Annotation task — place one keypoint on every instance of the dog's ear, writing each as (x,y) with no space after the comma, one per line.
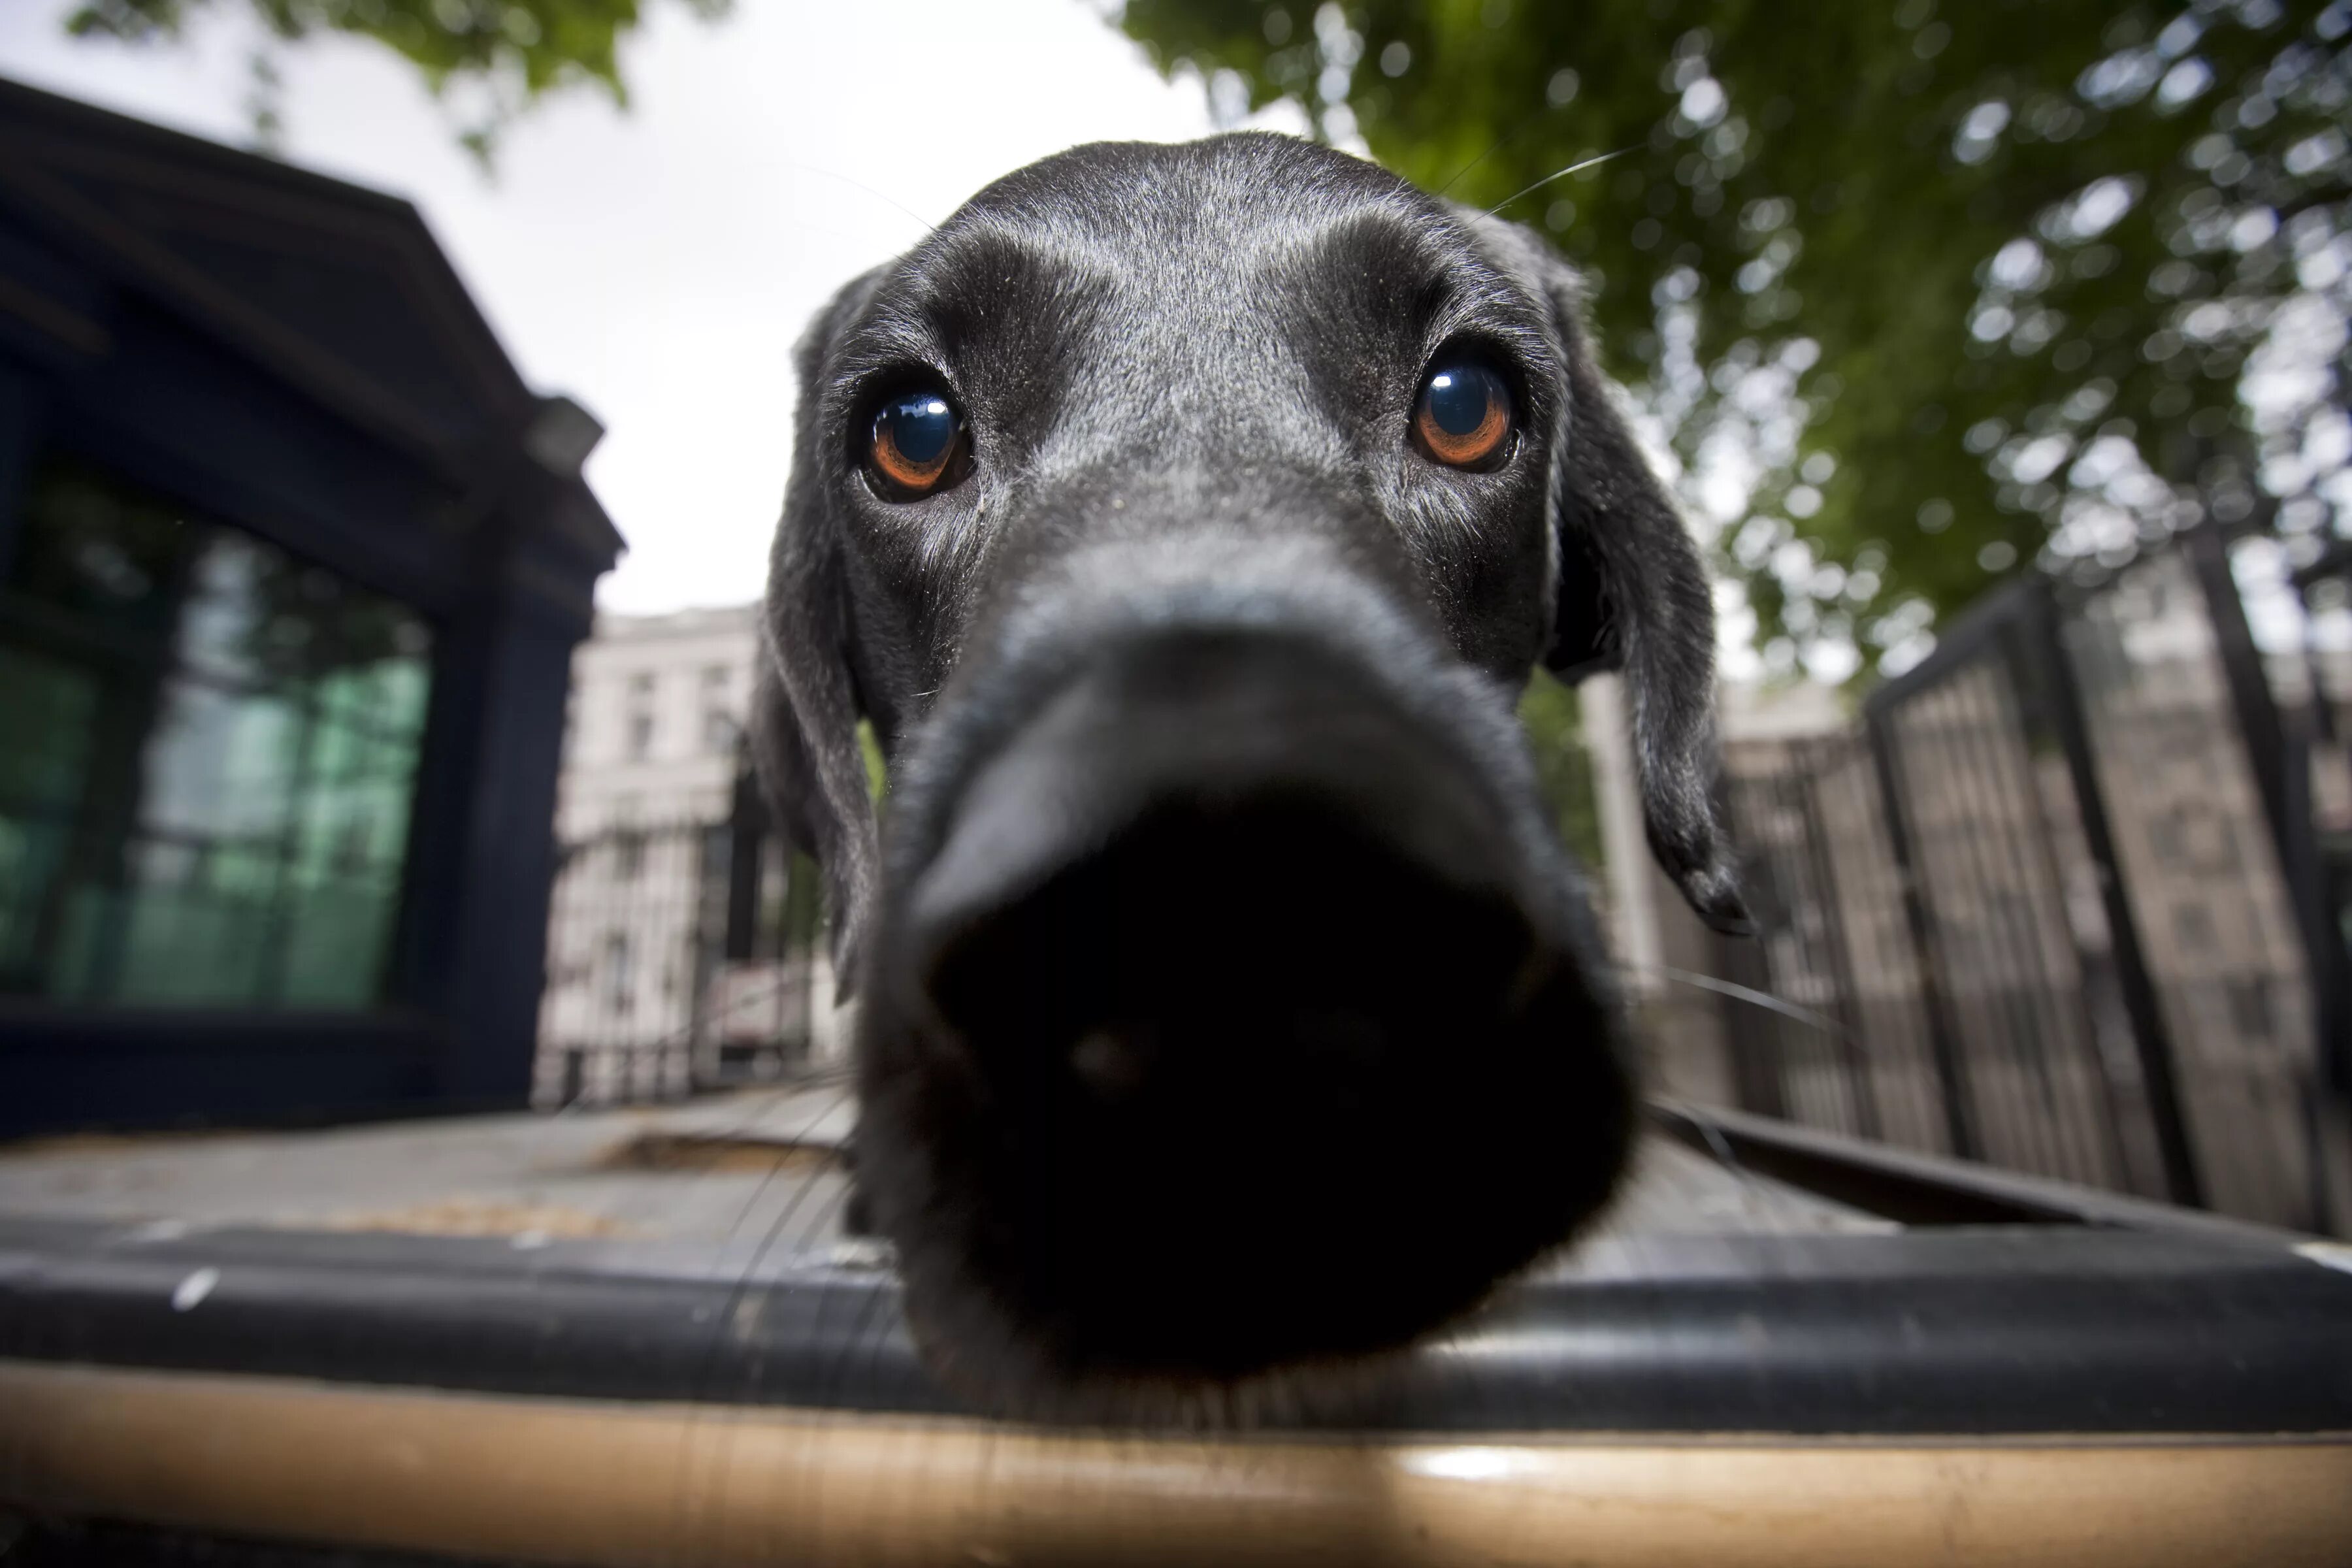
(1632,597)
(804,704)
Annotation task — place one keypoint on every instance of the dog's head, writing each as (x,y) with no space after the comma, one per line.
(1186,521)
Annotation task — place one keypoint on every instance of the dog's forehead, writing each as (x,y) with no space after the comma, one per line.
(1220,227)
(1156,194)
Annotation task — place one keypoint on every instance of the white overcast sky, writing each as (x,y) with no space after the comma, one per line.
(657,263)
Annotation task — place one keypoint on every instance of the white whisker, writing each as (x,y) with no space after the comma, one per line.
(1560,175)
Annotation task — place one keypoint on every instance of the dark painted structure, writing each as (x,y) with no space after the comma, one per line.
(291,568)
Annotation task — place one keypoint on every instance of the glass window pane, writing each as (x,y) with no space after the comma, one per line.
(196,926)
(106,557)
(222,764)
(355,817)
(208,754)
(45,711)
(336,940)
(45,708)
(224,628)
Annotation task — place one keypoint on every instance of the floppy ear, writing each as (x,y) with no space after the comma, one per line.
(804,706)
(1632,597)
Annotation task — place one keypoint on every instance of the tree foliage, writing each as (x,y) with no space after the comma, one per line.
(1948,286)
(1554,722)
(503,55)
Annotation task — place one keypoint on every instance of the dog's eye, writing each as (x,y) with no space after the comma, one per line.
(917,447)
(1464,416)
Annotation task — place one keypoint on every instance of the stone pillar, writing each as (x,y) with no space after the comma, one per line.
(1651,931)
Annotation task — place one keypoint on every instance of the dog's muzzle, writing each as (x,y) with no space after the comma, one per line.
(1241,1016)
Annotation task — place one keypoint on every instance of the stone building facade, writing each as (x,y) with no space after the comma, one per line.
(642,1000)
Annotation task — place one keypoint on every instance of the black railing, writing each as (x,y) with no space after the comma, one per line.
(681,956)
(2057,904)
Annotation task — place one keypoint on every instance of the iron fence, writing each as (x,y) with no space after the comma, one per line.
(2057,903)
(2072,897)
(682,956)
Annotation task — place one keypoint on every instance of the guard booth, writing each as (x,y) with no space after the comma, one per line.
(292,563)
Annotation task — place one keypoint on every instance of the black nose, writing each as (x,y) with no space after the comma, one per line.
(1268,1050)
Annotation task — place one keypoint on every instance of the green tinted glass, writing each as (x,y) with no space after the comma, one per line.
(208,754)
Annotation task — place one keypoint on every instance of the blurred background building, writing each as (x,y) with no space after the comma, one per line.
(663,843)
(291,565)
(654,720)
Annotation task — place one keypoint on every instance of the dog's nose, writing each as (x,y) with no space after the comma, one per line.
(1277,1054)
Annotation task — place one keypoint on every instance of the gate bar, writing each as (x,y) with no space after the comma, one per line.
(2157,1062)
(1943,1038)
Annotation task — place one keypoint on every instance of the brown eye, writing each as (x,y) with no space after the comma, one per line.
(919,446)
(1464,416)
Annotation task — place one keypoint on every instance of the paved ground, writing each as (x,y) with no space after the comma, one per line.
(725,1183)
(713,1178)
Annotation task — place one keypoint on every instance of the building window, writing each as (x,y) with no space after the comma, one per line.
(620,981)
(720,731)
(638,720)
(715,680)
(208,752)
(628,856)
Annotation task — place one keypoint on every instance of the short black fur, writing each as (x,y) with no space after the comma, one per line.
(1231,1008)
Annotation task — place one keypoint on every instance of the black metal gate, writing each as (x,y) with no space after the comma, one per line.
(2048,907)
(680,956)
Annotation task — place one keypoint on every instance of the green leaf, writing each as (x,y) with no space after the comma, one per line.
(1829,187)
(505,54)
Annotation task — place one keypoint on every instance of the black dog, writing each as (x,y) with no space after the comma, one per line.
(1186,521)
